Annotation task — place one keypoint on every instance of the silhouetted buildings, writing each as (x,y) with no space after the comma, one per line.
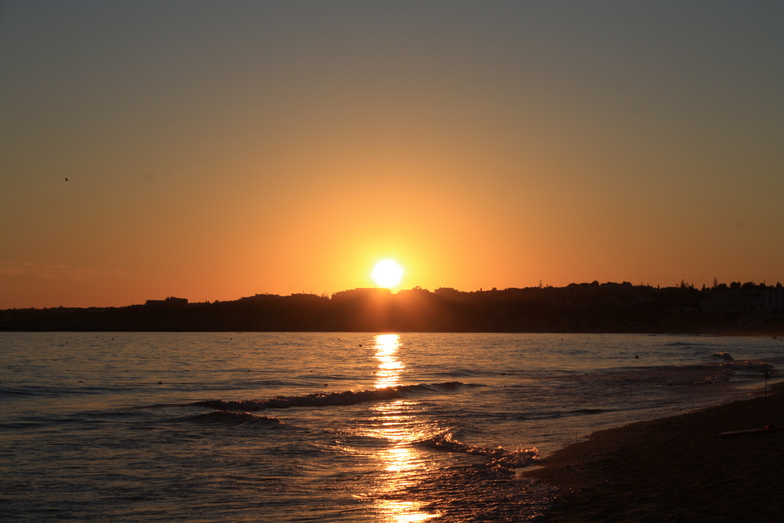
(168,302)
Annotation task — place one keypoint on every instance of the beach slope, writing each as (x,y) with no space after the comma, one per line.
(676,469)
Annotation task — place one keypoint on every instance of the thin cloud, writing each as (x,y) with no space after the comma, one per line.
(50,271)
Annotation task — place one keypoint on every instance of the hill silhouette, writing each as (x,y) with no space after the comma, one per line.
(587,307)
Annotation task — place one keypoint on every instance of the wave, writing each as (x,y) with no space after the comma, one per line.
(681,344)
(46,391)
(323,399)
(462,373)
(231,418)
(498,455)
(16,391)
(562,413)
(712,373)
(749,366)
(54,419)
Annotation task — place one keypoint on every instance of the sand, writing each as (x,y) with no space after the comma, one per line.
(675,469)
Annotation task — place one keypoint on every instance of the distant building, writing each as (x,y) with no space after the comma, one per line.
(170,302)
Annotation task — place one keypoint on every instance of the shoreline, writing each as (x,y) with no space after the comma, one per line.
(676,468)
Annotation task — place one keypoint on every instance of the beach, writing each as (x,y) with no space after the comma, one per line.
(677,468)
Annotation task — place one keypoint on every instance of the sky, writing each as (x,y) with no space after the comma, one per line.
(214,150)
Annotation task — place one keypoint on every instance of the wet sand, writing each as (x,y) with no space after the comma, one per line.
(676,469)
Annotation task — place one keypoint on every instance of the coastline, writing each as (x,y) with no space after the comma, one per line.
(676,468)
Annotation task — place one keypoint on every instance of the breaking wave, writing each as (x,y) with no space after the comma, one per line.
(324,399)
(498,455)
(730,369)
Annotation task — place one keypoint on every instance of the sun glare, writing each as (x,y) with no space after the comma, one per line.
(387,273)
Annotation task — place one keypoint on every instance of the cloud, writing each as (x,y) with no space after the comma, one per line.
(50,271)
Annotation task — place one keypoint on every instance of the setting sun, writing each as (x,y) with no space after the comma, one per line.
(387,273)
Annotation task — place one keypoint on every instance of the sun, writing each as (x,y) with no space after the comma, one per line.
(387,273)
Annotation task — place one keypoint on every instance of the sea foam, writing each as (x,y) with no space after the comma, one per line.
(498,456)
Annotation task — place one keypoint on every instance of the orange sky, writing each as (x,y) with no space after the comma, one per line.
(215,151)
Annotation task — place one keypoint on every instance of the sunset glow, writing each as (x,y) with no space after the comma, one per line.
(491,145)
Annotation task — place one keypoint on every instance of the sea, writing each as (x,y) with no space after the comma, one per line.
(320,427)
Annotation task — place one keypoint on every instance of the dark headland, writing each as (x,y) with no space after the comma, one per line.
(588,307)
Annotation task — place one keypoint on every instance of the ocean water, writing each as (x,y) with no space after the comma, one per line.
(328,426)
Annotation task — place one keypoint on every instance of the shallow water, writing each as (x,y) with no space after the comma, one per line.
(326,426)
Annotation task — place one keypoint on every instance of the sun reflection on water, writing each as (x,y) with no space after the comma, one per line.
(402,463)
(389,367)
